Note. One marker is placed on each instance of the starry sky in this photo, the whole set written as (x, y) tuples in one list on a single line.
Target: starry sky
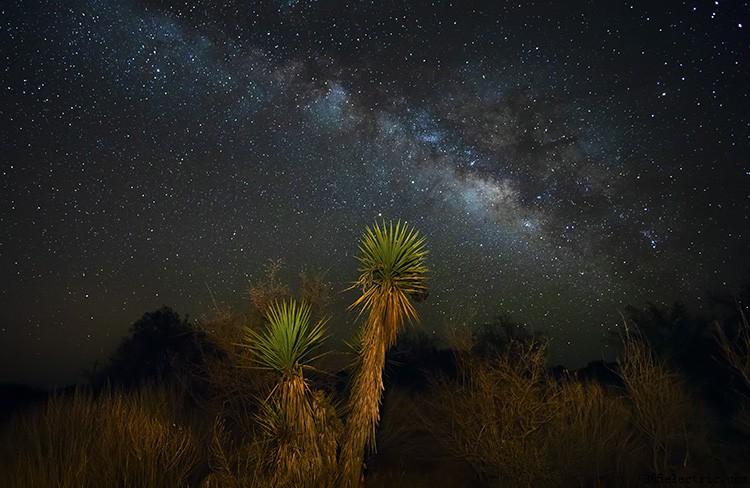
[(562, 159)]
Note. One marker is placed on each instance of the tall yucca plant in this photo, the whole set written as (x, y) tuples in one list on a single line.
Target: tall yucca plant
[(298, 453), (393, 269)]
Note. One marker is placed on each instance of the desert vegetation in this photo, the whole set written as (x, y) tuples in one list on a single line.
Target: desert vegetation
[(259, 399)]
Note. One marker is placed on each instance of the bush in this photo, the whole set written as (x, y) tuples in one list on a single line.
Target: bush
[(668, 419), (517, 424)]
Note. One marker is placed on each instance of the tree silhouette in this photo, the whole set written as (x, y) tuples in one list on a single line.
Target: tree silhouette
[(159, 346)]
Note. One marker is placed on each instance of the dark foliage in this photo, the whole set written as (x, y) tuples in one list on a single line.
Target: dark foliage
[(415, 358), (728, 308), (496, 338), (14, 398), (161, 346), (604, 373), (672, 332), (687, 343)]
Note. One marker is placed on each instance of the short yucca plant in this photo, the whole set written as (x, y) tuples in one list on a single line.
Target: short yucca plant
[(298, 454), (393, 270)]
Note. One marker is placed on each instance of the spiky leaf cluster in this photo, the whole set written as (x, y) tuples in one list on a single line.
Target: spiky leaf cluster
[(393, 268), (287, 344)]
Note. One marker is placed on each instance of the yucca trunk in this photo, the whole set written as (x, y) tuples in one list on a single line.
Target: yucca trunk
[(302, 430), (364, 403), (296, 458)]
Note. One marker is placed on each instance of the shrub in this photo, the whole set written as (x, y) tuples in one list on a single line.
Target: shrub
[(666, 416)]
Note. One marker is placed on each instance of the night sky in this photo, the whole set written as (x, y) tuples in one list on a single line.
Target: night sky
[(561, 160)]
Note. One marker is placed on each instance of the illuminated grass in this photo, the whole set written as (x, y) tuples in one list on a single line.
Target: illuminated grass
[(116, 439)]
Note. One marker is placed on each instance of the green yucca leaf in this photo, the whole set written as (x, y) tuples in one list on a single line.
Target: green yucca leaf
[(392, 268), (289, 340)]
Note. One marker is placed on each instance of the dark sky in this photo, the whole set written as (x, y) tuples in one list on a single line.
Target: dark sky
[(562, 161)]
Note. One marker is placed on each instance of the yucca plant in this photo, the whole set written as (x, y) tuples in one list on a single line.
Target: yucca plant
[(298, 453), (393, 270)]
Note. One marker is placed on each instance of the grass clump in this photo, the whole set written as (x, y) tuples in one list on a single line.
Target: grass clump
[(115, 439)]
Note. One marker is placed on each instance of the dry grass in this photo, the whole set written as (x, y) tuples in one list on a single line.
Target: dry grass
[(588, 439), (515, 424), (494, 417), (667, 417), (408, 454), (135, 439), (233, 465), (736, 350)]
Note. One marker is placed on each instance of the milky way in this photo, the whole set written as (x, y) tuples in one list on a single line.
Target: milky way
[(561, 162)]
